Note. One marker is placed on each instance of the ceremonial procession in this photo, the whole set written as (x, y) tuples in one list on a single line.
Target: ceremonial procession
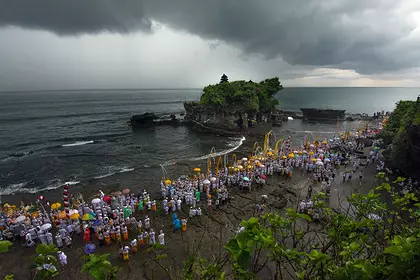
[(126, 220)]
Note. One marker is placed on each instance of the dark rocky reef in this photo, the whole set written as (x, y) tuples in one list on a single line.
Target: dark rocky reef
[(323, 114), (149, 119)]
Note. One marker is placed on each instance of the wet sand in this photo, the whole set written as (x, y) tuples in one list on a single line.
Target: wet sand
[(211, 230)]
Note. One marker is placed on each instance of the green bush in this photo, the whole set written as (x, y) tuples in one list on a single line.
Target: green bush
[(242, 95)]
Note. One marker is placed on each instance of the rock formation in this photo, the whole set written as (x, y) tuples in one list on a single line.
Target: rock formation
[(322, 114)]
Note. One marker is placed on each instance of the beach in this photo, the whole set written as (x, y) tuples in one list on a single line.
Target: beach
[(207, 233), (106, 154)]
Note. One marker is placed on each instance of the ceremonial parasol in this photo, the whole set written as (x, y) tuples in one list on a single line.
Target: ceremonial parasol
[(96, 200), (75, 216), (206, 182), (197, 169), (126, 191), (269, 153), (56, 205), (311, 153), (62, 215), (283, 157), (246, 179), (46, 227), (107, 199), (213, 179), (291, 155), (240, 167), (244, 159), (168, 182), (19, 219), (88, 217)]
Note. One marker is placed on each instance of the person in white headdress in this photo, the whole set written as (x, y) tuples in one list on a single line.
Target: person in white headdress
[(161, 238), (147, 222), (62, 258), (59, 240), (29, 241), (152, 237)]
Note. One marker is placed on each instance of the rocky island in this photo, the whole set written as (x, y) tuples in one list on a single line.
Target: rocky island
[(238, 107)]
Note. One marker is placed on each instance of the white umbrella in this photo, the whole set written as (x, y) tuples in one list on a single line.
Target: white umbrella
[(46, 227), (19, 219), (213, 179), (73, 211), (206, 182), (319, 163), (262, 165), (96, 200), (244, 159)]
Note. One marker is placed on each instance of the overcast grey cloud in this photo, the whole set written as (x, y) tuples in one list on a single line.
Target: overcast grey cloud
[(370, 37)]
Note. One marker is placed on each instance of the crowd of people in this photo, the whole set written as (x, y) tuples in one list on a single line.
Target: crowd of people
[(125, 218)]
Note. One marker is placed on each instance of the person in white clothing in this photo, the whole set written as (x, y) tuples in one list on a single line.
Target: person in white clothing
[(62, 257), (161, 238)]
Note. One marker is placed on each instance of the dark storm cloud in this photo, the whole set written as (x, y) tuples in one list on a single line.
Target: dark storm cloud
[(69, 17), (369, 36)]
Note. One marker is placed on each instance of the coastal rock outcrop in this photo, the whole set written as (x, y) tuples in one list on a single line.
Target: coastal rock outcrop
[(148, 119), (235, 108), (143, 119), (323, 114), (212, 119)]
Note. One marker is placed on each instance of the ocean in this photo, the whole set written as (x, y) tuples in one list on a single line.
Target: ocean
[(52, 138)]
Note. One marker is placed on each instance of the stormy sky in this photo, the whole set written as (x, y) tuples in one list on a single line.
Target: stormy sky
[(78, 44)]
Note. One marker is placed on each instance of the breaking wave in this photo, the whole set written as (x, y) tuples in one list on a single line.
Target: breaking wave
[(113, 172), (22, 187), (78, 143)]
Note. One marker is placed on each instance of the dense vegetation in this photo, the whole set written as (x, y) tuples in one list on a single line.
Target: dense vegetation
[(241, 95), (397, 131)]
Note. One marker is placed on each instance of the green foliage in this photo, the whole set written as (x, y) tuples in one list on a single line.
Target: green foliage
[(370, 239), (396, 131), (4, 246), (46, 263), (99, 267), (241, 95), (9, 277)]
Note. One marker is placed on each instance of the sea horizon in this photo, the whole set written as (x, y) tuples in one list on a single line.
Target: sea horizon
[(189, 88)]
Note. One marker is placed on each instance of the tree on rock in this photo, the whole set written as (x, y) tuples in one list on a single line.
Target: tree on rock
[(224, 79)]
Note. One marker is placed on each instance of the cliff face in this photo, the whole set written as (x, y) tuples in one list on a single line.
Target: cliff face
[(211, 119)]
